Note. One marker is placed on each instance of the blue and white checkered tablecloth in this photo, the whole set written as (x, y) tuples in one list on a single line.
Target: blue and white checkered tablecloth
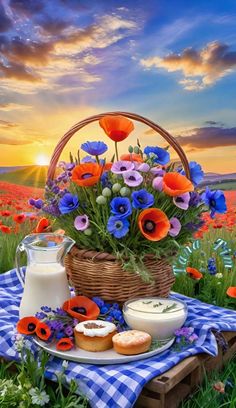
[(116, 386)]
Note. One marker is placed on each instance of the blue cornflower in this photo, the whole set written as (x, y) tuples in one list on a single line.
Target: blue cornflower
[(120, 206), (118, 227), (159, 155), (94, 148), (215, 200), (196, 172), (68, 203), (99, 302), (104, 310), (142, 199), (211, 266), (40, 315)]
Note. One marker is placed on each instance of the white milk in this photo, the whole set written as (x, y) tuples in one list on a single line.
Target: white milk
[(145, 314), (45, 285)]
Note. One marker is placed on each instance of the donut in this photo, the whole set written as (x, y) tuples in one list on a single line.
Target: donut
[(94, 335), (131, 342)]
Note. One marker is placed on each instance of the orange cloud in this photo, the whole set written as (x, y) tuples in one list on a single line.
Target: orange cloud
[(200, 68), (208, 137)]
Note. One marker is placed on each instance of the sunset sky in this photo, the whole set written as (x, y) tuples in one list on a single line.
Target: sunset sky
[(172, 61)]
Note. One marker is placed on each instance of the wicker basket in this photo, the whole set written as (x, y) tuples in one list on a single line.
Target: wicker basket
[(101, 274)]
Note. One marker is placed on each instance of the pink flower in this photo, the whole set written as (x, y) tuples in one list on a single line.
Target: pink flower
[(157, 183), (182, 201)]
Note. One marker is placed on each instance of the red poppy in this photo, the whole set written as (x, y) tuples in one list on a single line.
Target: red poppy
[(86, 174), (153, 224), (107, 166), (117, 127), (132, 157), (18, 207), (64, 344), (82, 308), (231, 291), (5, 229), (19, 218), (43, 225), (6, 213), (43, 331), (194, 273), (175, 184), (27, 325)]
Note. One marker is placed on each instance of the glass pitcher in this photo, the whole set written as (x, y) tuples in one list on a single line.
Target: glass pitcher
[(45, 282)]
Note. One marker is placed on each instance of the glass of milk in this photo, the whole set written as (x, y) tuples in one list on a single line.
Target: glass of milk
[(45, 282), (159, 317)]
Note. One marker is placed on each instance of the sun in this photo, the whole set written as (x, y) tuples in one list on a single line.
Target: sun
[(42, 160)]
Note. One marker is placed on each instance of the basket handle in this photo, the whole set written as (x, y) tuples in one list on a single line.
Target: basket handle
[(64, 140)]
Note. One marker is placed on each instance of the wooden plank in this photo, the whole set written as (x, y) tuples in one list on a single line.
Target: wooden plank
[(175, 375)]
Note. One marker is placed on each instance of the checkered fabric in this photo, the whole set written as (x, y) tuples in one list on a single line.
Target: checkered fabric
[(116, 386)]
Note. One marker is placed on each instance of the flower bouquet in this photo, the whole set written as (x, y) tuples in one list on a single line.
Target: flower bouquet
[(127, 213)]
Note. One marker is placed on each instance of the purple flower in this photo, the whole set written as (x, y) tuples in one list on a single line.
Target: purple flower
[(56, 325), (215, 200), (60, 311), (193, 338), (157, 171), (52, 209), (81, 222), (143, 167), (68, 203), (46, 309), (68, 331), (175, 227), (132, 178), (182, 201), (142, 199), (122, 166), (88, 159), (195, 199), (118, 227), (36, 203), (158, 155), (94, 148), (157, 183), (121, 207), (194, 226), (40, 315)]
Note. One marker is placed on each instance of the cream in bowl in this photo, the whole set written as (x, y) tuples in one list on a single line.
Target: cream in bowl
[(159, 317)]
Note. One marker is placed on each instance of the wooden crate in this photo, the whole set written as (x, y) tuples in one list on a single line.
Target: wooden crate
[(170, 388)]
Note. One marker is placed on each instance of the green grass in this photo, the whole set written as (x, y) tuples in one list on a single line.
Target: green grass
[(207, 397), (224, 185), (33, 176)]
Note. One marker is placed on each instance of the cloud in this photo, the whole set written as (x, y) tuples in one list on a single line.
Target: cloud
[(5, 21), (200, 68), (13, 141), (27, 7), (51, 24), (18, 71), (7, 107), (6, 124), (208, 137)]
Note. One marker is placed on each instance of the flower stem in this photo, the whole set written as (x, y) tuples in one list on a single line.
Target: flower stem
[(116, 149)]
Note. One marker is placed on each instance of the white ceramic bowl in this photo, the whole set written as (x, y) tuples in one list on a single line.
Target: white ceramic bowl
[(159, 317)]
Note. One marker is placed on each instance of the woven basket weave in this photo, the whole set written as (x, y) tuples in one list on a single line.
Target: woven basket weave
[(101, 274)]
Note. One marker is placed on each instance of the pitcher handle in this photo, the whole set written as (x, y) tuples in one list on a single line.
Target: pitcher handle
[(19, 274)]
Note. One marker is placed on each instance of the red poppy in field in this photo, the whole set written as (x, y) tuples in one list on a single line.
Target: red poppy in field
[(86, 174), (82, 308), (231, 291), (19, 218), (18, 207), (132, 157), (64, 344), (43, 331), (33, 217), (27, 325), (117, 127), (194, 273), (153, 224), (6, 213), (42, 226), (175, 184), (5, 229)]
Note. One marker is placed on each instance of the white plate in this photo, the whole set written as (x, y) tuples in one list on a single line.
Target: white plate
[(102, 357)]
